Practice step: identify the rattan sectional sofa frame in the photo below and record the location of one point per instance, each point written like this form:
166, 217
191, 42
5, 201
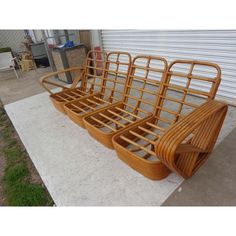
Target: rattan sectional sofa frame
154, 124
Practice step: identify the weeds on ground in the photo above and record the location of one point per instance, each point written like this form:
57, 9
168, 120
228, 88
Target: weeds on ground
18, 187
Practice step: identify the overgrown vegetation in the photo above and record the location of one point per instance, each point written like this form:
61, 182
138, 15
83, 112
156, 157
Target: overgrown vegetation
19, 188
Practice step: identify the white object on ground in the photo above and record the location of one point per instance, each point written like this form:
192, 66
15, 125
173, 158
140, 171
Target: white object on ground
7, 62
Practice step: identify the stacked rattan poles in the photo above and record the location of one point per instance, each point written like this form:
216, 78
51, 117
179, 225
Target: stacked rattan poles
146, 110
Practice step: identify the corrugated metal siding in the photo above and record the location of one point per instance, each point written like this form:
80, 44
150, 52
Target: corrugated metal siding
218, 46
12, 39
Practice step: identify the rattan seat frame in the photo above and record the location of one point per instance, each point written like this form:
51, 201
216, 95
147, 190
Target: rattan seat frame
188, 141
119, 116
79, 108
94, 62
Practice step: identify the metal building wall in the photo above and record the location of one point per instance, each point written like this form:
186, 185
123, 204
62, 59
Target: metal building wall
218, 46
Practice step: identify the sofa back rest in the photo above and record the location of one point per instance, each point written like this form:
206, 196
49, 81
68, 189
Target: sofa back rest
188, 84
146, 75
116, 75
108, 74
94, 70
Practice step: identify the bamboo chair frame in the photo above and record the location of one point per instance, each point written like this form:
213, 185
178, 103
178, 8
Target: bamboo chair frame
105, 123
186, 141
93, 67
115, 73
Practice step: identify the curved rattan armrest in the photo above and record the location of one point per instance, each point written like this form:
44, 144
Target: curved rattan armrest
204, 123
44, 79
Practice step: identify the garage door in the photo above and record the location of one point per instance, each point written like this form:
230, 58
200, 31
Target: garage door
218, 46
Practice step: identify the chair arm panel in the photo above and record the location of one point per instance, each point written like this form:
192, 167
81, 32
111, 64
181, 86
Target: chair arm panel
204, 123
44, 79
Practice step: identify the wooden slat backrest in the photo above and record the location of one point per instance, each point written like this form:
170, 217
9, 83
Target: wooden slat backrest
110, 78
181, 85
146, 75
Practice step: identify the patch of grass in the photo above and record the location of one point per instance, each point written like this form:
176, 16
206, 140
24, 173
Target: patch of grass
18, 187
13, 154
15, 174
26, 194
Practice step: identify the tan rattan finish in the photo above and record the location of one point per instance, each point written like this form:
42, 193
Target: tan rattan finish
138, 102
89, 74
159, 118
112, 85
181, 134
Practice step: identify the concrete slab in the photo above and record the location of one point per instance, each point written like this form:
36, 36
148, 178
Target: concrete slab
215, 183
76, 169
13, 89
